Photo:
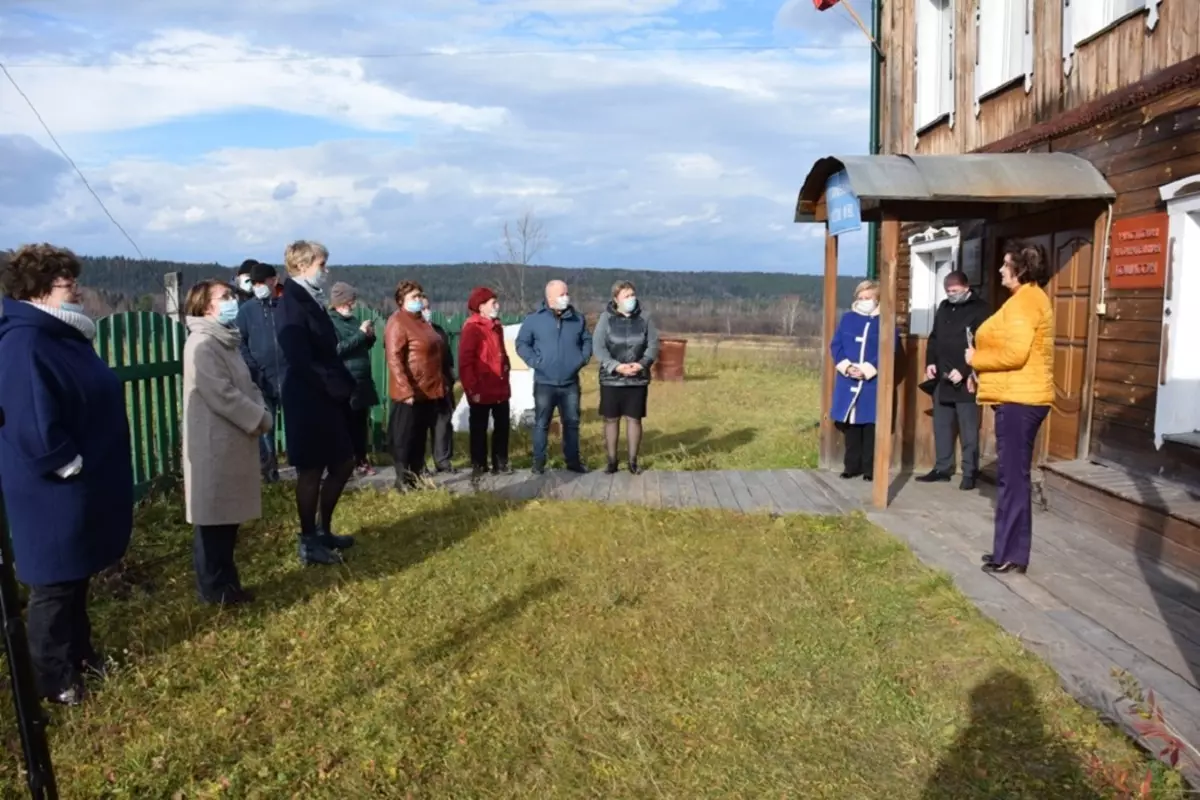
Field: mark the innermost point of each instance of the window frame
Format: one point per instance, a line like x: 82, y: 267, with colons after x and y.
x: 1071, y: 41
x: 943, y: 65
x: 982, y: 50
x: 926, y: 292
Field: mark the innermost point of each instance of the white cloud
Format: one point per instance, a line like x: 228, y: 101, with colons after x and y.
x: 128, y: 94
x: 647, y: 158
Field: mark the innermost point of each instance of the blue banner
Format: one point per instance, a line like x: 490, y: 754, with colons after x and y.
x: 841, y: 203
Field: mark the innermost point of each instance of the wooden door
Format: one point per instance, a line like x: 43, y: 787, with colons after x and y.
x: 1070, y: 291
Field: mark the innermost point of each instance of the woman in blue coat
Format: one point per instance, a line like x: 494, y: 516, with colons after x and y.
x: 65, y: 463
x: 316, y: 402
x: 855, y: 351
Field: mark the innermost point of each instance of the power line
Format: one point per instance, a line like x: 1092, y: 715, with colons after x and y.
x: 70, y: 160
x: 438, y: 54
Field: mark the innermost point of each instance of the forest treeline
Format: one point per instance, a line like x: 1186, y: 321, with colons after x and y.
x: 715, y: 302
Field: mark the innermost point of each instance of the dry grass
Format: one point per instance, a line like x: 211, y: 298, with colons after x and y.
x: 473, y: 648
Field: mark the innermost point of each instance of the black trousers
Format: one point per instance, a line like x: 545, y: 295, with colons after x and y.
x: 359, y: 420
x: 860, y: 448
x: 443, y: 432
x: 947, y: 417
x: 60, y: 635
x: 212, y: 556
x: 408, y: 428
x: 478, y: 421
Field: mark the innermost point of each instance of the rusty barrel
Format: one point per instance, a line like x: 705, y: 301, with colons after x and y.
x: 669, y: 366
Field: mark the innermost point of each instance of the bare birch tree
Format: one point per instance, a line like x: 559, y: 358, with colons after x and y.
x: 521, y: 243
x: 791, y: 307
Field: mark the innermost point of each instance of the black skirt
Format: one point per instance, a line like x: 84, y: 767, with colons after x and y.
x: 623, y: 401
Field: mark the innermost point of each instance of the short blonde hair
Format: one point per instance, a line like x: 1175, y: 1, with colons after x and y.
x: 864, y: 286
x: 300, y: 255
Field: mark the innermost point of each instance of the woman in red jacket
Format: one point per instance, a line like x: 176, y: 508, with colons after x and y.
x: 483, y: 371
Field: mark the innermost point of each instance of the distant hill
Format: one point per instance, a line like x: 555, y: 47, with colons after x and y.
x: 714, y: 302
x: 449, y: 283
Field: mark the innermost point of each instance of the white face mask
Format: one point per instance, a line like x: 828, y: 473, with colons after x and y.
x: 317, y: 279
x: 244, y: 284
x: 493, y: 312
x: 262, y: 291
x: 866, y: 306
x: 563, y: 302
x: 427, y: 315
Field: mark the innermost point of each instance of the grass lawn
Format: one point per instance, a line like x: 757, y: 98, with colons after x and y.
x: 747, y: 407
x: 477, y: 649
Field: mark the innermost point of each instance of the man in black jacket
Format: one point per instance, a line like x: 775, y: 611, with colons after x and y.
x: 954, y: 393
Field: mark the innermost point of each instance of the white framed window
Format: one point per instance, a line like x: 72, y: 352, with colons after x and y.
x: 1084, y: 19
x: 935, y: 63
x: 1177, y: 414
x: 933, y: 254
x: 1003, y: 45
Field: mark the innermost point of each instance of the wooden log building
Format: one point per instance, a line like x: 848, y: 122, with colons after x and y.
x: 1112, y: 88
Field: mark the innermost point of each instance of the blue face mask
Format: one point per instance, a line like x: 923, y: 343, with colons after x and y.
x: 413, y: 306
x: 71, y: 308
x: 628, y: 305
x: 227, y: 312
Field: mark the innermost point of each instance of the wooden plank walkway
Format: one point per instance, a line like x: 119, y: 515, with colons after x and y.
x: 1087, y: 605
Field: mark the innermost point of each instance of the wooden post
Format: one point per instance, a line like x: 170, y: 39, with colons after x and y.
x: 828, y: 435
x: 172, y: 281
x: 886, y: 389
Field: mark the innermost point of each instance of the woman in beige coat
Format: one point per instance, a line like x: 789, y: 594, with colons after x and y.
x: 224, y: 414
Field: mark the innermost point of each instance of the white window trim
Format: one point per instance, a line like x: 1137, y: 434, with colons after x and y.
x: 1070, y: 41
x: 920, y: 126
x: 982, y: 92
x: 1181, y: 208
x: 925, y: 290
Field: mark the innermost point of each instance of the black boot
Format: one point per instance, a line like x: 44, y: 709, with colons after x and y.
x: 634, y: 469
x: 312, y: 552
x: 333, y: 541
x: 611, y: 469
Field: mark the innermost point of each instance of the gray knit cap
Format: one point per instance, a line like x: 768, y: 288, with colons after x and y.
x: 341, y: 294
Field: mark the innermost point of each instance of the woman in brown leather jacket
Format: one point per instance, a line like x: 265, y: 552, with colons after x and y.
x: 415, y: 382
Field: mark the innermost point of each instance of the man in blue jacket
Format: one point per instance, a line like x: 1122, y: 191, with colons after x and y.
x: 555, y: 342
x: 256, y: 320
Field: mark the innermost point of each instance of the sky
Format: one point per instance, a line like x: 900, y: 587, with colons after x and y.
x: 647, y: 134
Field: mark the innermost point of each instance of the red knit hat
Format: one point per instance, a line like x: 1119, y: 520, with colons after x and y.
x: 479, y: 296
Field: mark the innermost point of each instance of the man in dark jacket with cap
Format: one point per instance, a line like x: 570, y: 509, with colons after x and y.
x: 262, y: 354
x: 243, y: 287
x: 956, y: 320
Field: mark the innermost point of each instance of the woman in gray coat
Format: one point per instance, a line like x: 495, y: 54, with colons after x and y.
x: 224, y: 414
x: 626, y: 344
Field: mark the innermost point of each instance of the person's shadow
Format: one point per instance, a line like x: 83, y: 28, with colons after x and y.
x: 1007, y: 752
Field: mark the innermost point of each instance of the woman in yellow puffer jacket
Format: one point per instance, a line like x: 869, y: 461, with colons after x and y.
x: 1013, y: 358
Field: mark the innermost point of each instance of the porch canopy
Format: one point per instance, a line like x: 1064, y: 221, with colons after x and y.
x: 892, y: 189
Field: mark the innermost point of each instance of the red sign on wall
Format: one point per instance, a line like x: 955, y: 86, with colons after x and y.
x: 1137, y: 253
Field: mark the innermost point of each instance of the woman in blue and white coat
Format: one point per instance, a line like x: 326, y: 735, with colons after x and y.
x: 855, y: 351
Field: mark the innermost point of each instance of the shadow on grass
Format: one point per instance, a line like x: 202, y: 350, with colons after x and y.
x: 462, y: 634
x: 1007, y: 751
x: 380, y: 550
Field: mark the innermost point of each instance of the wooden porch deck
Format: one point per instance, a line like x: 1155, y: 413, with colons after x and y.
x: 1088, y: 605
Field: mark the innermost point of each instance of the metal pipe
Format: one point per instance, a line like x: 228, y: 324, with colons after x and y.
x: 874, y: 137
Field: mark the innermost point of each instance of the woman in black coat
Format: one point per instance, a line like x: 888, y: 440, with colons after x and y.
x: 316, y: 401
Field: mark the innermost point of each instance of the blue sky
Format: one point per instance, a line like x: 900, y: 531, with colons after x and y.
x: 652, y: 134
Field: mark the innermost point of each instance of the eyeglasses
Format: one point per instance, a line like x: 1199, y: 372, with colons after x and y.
x: 65, y: 285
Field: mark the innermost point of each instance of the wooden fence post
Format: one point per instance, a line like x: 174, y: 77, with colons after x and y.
x: 886, y: 379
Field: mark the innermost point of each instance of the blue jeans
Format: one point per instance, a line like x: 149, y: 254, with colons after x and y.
x: 268, y: 460
x: 566, y: 400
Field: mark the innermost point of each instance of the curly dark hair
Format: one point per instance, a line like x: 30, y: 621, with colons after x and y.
x: 30, y: 272
x: 1029, y: 263
x: 404, y: 289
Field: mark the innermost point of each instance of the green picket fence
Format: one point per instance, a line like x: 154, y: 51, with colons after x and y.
x: 145, y: 350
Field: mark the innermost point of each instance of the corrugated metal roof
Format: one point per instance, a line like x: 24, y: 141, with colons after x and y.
x: 966, y: 178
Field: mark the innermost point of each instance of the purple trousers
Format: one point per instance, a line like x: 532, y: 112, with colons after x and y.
x: 1016, y: 429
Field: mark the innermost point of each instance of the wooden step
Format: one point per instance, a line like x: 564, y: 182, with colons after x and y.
x: 1155, y: 518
